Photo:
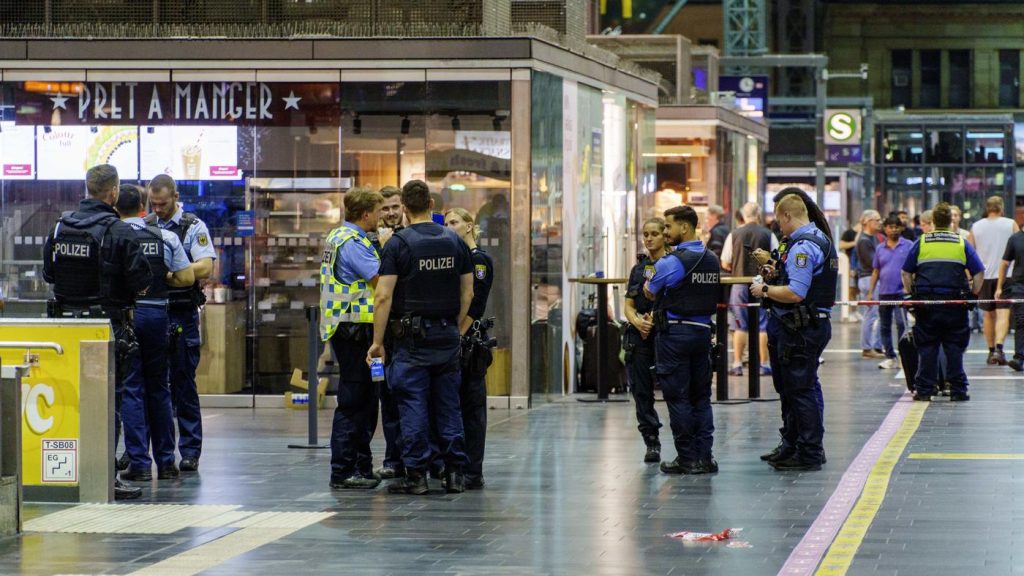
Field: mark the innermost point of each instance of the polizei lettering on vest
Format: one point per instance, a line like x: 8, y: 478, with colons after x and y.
x: 73, y: 250
x: 150, y: 248
x: 704, y: 278
x: 447, y: 263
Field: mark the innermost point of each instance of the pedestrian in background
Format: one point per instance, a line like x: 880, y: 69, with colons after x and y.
x: 886, y: 279
x: 870, y: 342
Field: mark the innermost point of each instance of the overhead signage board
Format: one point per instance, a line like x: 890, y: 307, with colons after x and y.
x: 843, y: 127
x: 17, y: 152
x: 189, y: 152
x: 66, y: 152
x: 751, y: 93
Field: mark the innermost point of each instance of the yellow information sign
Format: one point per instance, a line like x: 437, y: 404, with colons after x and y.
x: 50, y: 395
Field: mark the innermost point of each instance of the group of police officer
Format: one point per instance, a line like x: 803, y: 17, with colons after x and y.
x: 411, y: 298
x: 672, y: 294
x: 105, y: 261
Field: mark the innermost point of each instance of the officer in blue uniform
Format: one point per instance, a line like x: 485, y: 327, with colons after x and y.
x: 97, y: 270
x: 937, y: 269
x: 476, y: 351
x: 146, y: 408
x: 422, y: 296
x: 685, y: 288
x: 348, y: 273
x: 638, y: 339
x: 183, y: 309
x: 800, y: 299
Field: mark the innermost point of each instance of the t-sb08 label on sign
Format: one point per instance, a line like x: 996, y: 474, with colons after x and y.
x: 60, y: 460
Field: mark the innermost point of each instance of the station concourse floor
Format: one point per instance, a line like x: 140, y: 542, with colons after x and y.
x: 567, y: 493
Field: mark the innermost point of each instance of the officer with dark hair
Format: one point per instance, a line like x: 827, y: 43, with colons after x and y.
x: 97, y: 270
x: 183, y: 309
x: 422, y: 297
x: 685, y: 289
x: 147, y: 396
x: 937, y: 268
x: 638, y: 339
x: 800, y: 297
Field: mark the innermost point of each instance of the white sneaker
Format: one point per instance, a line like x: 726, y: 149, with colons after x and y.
x: 887, y: 364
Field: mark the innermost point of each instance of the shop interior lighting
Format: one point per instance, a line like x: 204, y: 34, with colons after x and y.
x: 456, y: 123
x: 405, y: 125
x: 357, y: 125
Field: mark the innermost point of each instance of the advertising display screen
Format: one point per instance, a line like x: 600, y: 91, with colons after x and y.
x: 66, y: 152
x: 17, y: 152
x: 189, y: 152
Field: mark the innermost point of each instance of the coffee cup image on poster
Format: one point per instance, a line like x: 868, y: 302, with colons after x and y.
x: 189, y: 152
x: 66, y: 152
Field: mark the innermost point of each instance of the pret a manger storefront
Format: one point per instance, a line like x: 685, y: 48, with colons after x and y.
x: 542, y: 145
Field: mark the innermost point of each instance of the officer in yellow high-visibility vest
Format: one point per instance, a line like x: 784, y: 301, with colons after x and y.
x: 937, y: 268
x: 348, y: 276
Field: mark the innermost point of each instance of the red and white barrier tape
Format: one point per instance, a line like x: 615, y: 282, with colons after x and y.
x: 897, y: 303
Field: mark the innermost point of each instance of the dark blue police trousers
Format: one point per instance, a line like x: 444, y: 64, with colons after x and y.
x: 945, y: 328
x: 355, y: 418
x: 184, y: 394
x: 684, y: 372
x: 146, y: 404
x: 424, y: 376
x: 639, y: 371
x: 794, y: 361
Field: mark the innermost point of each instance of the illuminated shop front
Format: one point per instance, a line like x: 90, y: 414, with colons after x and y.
x: 264, y: 156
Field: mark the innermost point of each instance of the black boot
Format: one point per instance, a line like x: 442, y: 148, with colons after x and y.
x: 414, y: 483
x: 653, y: 454
x: 454, y: 482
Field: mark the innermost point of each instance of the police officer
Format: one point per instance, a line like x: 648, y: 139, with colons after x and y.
x: 800, y: 297
x: 97, y: 269
x: 476, y: 351
x: 348, y: 273
x: 638, y: 339
x: 183, y: 310
x: 422, y: 296
x: 935, y: 270
x: 390, y: 222
x: 147, y: 397
x: 685, y: 288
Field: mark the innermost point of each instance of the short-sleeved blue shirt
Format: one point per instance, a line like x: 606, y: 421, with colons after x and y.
x: 174, y: 254
x: 669, y: 272
x: 803, y: 258
x: 355, y: 260
x: 197, y: 242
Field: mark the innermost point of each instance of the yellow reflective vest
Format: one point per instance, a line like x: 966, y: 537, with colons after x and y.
x: 343, y: 302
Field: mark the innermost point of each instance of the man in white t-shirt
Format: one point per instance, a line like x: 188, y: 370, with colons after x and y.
x: 989, y: 237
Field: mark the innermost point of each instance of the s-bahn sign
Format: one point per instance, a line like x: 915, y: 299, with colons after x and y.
x: 843, y: 127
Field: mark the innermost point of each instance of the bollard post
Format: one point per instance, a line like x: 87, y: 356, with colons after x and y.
x: 313, y: 335
x: 722, y: 340
x: 754, y: 350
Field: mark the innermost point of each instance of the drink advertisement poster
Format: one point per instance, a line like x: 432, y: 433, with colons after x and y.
x: 66, y: 152
x: 189, y: 152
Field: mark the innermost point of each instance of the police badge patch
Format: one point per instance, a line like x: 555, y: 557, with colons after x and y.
x: 481, y: 271
x: 202, y: 239
x: 648, y: 272
x: 801, y: 260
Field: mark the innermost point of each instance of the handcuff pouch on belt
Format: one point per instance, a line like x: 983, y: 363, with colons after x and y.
x: 407, y: 326
x: 801, y: 316
x: 477, y: 348
x: 660, y: 320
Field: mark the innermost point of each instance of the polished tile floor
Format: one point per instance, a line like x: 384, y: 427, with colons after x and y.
x: 567, y: 493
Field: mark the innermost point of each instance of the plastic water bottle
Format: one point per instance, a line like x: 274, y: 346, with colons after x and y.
x: 377, y: 370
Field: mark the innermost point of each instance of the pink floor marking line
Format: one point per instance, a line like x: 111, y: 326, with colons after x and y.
x: 808, y: 553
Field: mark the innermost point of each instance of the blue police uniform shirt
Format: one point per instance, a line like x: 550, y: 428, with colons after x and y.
x: 804, y: 257
x: 197, y: 241
x: 174, y: 254
x: 355, y: 260
x: 974, y: 263
x: 670, y: 272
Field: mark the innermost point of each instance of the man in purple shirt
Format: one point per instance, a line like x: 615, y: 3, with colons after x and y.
x: 887, y: 265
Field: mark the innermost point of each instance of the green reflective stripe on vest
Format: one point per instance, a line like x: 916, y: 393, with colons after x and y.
x: 342, y: 302
x: 942, y: 247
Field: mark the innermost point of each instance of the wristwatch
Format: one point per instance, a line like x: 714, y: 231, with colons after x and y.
x: 764, y: 290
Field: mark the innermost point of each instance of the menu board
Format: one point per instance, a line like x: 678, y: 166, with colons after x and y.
x: 190, y: 152
x: 66, y: 152
x: 17, y: 152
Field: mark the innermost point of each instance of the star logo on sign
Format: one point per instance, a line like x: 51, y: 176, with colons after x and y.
x: 59, y: 101
x: 291, y: 101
